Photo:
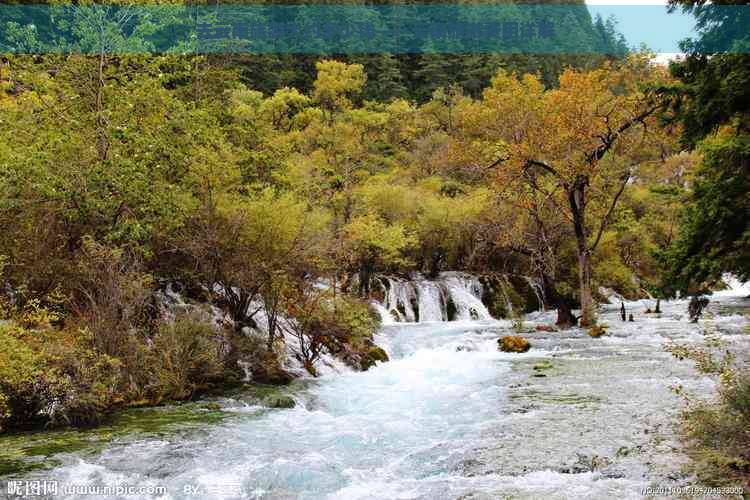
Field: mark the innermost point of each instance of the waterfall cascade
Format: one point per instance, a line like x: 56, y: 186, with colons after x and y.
x: 451, y: 296
x: 538, y: 288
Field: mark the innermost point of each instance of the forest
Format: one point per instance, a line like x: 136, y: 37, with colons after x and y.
x: 286, y: 186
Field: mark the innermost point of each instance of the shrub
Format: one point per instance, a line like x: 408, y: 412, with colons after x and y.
x: 184, y: 357
x: 342, y: 325
x: 54, y: 377
x: 83, y: 383
x: 20, y: 367
x: 717, y: 430
x: 36, y: 315
x: 112, y: 298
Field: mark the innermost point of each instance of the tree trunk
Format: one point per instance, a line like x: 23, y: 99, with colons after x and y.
x: 577, y: 200
x: 588, y: 313
x: 102, y: 141
x: 565, y: 318
x: 365, y: 274
x: 271, y: 321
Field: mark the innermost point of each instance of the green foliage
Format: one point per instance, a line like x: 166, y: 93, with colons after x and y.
x: 715, y: 236
x: 185, y: 168
x: 19, y: 370
x: 372, y: 243
x: 711, y: 103
x: 336, y: 83
x: 55, y: 378
x: 609, y: 269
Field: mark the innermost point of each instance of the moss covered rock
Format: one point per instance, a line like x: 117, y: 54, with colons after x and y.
x: 268, y: 371
x: 278, y: 401
x: 505, y: 295
x: 597, y: 331
x: 372, y: 356
x: 544, y: 365
x: 513, y: 343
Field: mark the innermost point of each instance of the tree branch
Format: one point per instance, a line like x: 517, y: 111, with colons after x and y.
x: 605, y: 221
x: 543, y: 166
x: 607, y: 142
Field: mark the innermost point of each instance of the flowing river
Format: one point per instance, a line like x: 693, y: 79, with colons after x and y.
x: 448, y: 417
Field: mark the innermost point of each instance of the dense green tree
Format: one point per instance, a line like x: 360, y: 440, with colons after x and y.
x: 713, y: 105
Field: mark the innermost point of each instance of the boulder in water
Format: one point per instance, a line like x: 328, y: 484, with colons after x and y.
x: 363, y: 355
x: 473, y: 314
x: 545, y: 328
x: 513, y: 343
x: 278, y: 401
x: 372, y: 356
x: 544, y: 365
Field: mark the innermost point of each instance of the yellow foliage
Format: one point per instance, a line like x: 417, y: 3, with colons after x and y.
x: 336, y: 81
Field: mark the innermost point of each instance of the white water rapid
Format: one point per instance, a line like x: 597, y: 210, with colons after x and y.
x: 448, y: 417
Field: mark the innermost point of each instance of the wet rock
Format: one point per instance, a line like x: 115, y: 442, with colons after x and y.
x: 545, y: 328
x: 544, y: 365
x: 213, y: 406
x: 612, y: 472
x: 585, y: 463
x: 696, y: 306
x: 451, y: 309
x: 513, y: 343
x: 525, y: 408
x: 473, y: 314
x: 600, y: 463
x: 269, y: 372
x: 363, y: 355
x: 624, y: 451
x: 278, y: 401
x: 372, y: 356
x: 539, y: 375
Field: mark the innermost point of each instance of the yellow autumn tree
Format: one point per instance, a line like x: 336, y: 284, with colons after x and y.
x: 577, y: 145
